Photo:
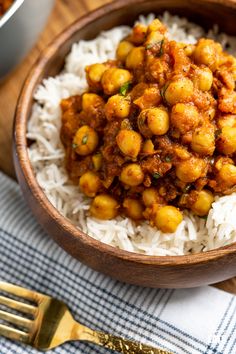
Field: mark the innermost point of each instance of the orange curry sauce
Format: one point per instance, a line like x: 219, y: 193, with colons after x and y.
x: 156, y: 132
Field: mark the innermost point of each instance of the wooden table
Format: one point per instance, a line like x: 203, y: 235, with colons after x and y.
x: 64, y: 13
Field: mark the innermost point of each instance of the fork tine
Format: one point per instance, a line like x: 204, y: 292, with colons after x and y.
x: 19, y: 291
x: 13, y: 333
x: 17, y: 305
x: 14, y: 319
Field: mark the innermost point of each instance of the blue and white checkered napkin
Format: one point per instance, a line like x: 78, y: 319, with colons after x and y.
x: 190, y: 321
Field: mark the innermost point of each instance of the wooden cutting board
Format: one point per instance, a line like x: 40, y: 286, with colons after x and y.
x: 64, y: 13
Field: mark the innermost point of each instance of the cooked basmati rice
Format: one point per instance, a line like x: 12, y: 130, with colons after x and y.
x: 46, y: 154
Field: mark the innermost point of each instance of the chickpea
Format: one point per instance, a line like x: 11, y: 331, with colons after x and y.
x: 153, y: 121
x: 129, y: 142
x: 123, y: 50
x: 113, y: 79
x: 158, y: 121
x: 138, y: 34
x: 167, y: 218
x: 226, y: 143
x: 180, y: 90
x: 203, y: 79
x: 85, y: 140
x: 95, y: 72
x: 91, y: 99
x: 117, y: 106
x: 227, y: 120
x: 203, y: 203
x: 135, y: 58
x: 203, y: 141
x: 133, y: 208
x: 153, y: 38
x: 104, y: 207
x: 190, y: 170
x: 150, y: 196
x: 90, y: 183
x: 188, y: 49
x: 132, y: 175
x: 221, y: 161
x: 227, y: 175
x: 207, y: 53
x: 184, y: 117
x: 97, y: 161
x: 156, y: 25
x: 148, y: 147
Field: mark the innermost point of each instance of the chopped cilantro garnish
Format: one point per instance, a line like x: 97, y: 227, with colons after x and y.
x: 155, y: 44
x: 124, y: 88
x: 160, y: 53
x: 85, y: 139
x: 203, y: 217
x: 149, y: 46
x: 168, y: 158
x: 162, y: 92
x: 156, y: 175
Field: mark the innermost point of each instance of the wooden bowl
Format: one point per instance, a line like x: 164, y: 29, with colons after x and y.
x: 151, y: 271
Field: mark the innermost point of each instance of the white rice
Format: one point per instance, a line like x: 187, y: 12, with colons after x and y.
x: 46, y: 154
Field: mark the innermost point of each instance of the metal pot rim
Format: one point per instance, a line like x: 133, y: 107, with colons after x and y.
x: 10, y: 12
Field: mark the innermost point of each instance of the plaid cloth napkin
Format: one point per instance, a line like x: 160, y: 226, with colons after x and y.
x: 201, y: 320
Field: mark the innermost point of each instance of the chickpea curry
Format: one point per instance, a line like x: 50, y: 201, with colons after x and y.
x: 4, y: 6
x: 156, y: 132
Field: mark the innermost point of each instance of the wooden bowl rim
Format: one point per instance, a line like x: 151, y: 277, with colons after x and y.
x: 20, y: 147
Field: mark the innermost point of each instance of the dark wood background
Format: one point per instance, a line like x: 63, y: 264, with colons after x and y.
x: 64, y: 13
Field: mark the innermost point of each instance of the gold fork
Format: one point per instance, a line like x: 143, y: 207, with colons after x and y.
x: 51, y: 324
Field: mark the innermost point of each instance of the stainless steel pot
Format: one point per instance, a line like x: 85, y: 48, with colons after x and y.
x: 19, y: 29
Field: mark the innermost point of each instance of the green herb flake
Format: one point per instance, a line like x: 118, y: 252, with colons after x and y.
x: 162, y: 92
x: 155, y: 44
x: 156, y: 175
x: 160, y: 53
x: 124, y: 88
x: 204, y: 217
x: 149, y: 46
x: 74, y: 146
x: 168, y: 158
x: 85, y: 139
x: 217, y: 133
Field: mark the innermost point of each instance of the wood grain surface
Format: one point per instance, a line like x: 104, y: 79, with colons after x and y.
x: 64, y: 13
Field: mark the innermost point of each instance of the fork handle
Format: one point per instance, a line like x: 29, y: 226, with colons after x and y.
x: 119, y: 344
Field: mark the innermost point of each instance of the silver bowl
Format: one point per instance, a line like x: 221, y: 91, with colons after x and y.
x: 19, y: 29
